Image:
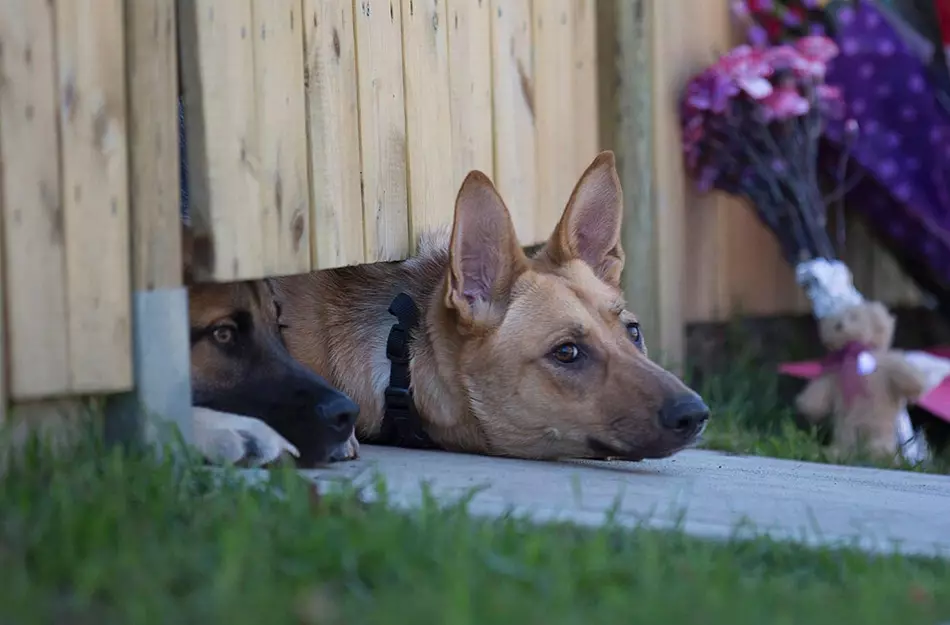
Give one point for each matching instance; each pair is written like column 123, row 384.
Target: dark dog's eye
column 223, row 335
column 633, row 329
column 566, row 353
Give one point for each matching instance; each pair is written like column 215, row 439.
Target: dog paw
column 350, row 450
column 224, row 438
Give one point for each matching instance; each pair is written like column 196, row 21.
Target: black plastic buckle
column 398, row 399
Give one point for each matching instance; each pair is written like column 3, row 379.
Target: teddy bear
column 864, row 384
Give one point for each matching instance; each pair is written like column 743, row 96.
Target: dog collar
column 401, row 425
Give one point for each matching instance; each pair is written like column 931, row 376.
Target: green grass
column 103, row 538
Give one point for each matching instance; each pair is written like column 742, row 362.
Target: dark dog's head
column 240, row 365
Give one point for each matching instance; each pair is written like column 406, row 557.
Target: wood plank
column 34, row 242
column 586, row 106
column 428, row 120
column 91, row 62
column 152, row 65
column 751, row 269
column 378, row 25
column 3, row 337
column 668, row 73
column 281, row 118
column 633, row 143
column 513, row 115
column 709, row 217
column 554, row 109
column 608, row 76
column 470, row 86
column 891, row 284
column 221, row 123
column 333, row 129
column 650, row 65
column 61, row 424
column 859, row 255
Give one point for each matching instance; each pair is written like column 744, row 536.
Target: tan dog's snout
column 684, row 414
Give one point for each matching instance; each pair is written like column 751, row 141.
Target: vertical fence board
column 3, row 336
column 708, row 216
column 91, row 63
column 333, row 128
column 470, row 86
column 649, row 61
column 585, row 90
column 891, row 285
column 428, row 120
column 152, row 64
column 35, row 248
column 281, row 118
column 513, row 114
column 382, row 112
column 554, row 109
column 221, row 123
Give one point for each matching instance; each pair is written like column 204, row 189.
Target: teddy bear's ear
column 882, row 323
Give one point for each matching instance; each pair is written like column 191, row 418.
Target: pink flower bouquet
column 751, row 125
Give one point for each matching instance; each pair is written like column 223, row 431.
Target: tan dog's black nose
column 684, row 413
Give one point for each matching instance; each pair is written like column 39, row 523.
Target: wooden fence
column 320, row 133
column 328, row 132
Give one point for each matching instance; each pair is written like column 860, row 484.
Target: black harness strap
column 401, row 425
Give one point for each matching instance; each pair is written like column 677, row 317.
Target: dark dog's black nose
column 339, row 413
column 684, row 413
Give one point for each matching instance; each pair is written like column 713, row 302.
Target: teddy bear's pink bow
column 844, row 362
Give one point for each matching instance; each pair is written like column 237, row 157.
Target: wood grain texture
column 876, row 273
column 283, row 177
column 4, row 400
column 62, row 424
column 382, row 113
column 585, row 88
column 553, row 38
column 470, row 86
column 333, row 130
column 650, row 169
column 94, row 144
column 33, row 231
column 221, row 123
column 428, row 119
column 513, row 97
column 152, row 68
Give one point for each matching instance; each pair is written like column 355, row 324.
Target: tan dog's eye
column 223, row 335
column 566, row 353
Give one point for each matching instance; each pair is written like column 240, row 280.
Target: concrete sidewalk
column 710, row 493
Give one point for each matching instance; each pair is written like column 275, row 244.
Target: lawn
column 104, row 538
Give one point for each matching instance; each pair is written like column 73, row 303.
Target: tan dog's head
column 239, row 365
column 553, row 361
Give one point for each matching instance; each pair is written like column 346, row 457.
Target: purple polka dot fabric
column 903, row 147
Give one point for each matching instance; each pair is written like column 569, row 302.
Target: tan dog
column 529, row 357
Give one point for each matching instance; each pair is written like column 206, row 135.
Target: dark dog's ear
column 589, row 229
column 484, row 254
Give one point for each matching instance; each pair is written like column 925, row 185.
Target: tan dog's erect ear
column 484, row 254
column 589, row 229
